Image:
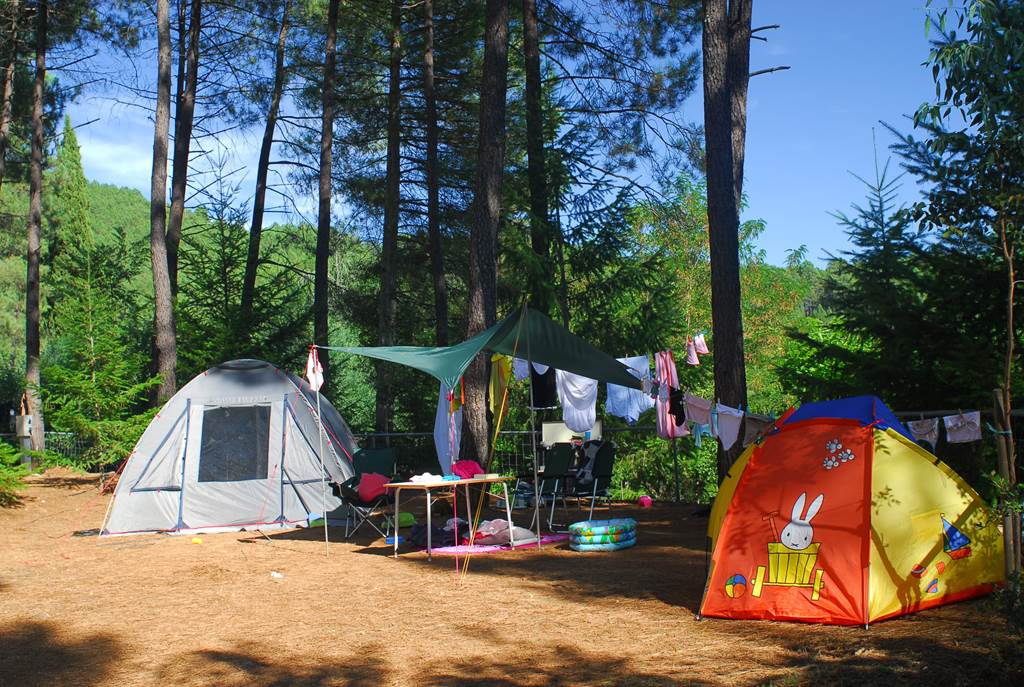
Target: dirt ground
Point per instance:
(79, 610)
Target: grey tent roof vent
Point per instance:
(243, 365)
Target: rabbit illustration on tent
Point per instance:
(792, 556)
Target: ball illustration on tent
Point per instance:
(736, 586)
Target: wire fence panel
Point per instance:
(644, 464)
(65, 444)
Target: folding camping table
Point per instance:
(428, 487)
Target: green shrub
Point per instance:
(11, 474)
(1009, 602)
(644, 465)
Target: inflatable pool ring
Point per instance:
(604, 538)
(613, 546)
(589, 528)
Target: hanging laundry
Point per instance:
(578, 396)
(677, 411)
(629, 403)
(698, 410)
(665, 375)
(691, 353)
(542, 385)
(700, 345)
(520, 369)
(963, 427)
(699, 431)
(501, 375)
(457, 398)
(729, 424)
(447, 430)
(677, 405)
(925, 430)
(541, 368)
(754, 426)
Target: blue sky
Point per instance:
(852, 64)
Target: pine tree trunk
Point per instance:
(540, 221)
(252, 260)
(321, 332)
(183, 117)
(723, 216)
(433, 181)
(738, 75)
(179, 81)
(35, 218)
(389, 241)
(165, 338)
(483, 237)
(7, 91)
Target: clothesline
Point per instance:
(912, 414)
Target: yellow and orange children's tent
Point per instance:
(838, 516)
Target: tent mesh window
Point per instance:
(235, 444)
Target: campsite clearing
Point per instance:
(152, 609)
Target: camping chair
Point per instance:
(557, 461)
(360, 512)
(601, 472)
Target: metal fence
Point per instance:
(666, 470)
(67, 445)
(513, 452)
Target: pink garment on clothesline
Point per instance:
(665, 374)
(691, 353)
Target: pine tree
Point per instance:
(67, 212)
(95, 375)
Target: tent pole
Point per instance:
(533, 440)
(323, 474)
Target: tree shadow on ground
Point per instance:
(961, 644)
(548, 666)
(13, 499)
(62, 481)
(668, 563)
(37, 653)
(246, 664)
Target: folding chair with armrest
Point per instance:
(601, 478)
(557, 461)
(367, 460)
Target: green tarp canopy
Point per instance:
(525, 334)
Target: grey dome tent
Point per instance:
(236, 447)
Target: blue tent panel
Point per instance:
(864, 409)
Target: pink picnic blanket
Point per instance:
(476, 550)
